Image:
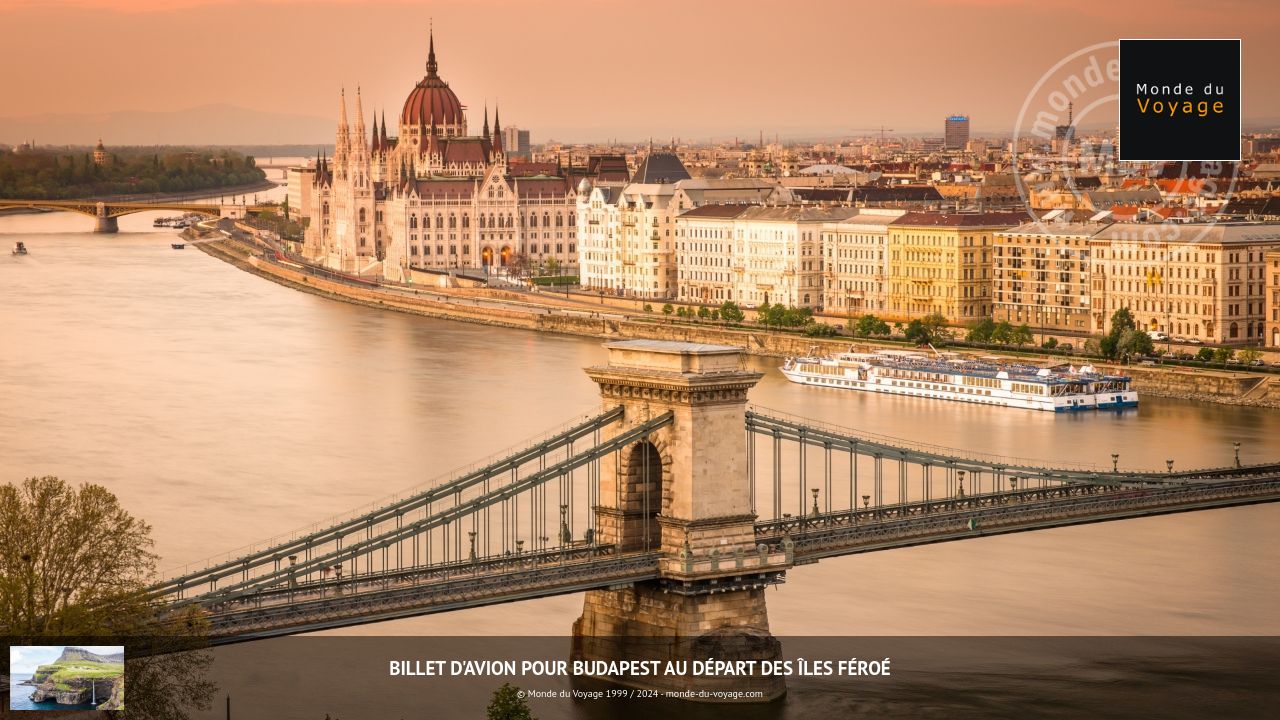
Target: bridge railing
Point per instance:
(286, 539)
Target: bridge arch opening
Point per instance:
(642, 495)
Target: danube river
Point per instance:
(224, 409)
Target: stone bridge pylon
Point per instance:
(684, 492)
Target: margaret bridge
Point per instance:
(106, 214)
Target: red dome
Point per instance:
(431, 100)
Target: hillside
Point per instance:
(79, 677)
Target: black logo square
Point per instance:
(1180, 100)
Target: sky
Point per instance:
(594, 69)
(25, 660)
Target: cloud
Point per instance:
(25, 660)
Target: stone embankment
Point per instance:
(1206, 385)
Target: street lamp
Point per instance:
(815, 499)
(1115, 462)
(1169, 464)
(1237, 447)
(960, 487)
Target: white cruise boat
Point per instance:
(983, 381)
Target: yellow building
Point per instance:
(942, 263)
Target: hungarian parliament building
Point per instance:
(433, 196)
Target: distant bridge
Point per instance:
(106, 213)
(673, 508)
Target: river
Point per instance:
(224, 409)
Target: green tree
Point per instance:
(817, 329)
(929, 330)
(1121, 322)
(1133, 342)
(730, 311)
(1002, 333)
(870, 325)
(1049, 343)
(71, 559)
(668, 309)
(1248, 356)
(982, 332)
(1205, 354)
(703, 313)
(648, 308)
(1222, 355)
(508, 703)
(1021, 335)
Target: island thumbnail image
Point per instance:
(57, 677)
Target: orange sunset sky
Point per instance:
(586, 70)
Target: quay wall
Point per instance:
(1236, 388)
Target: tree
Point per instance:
(704, 313)
(817, 329)
(929, 330)
(71, 559)
(508, 703)
(1002, 333)
(730, 311)
(1222, 355)
(1205, 355)
(1021, 335)
(982, 332)
(1121, 323)
(648, 308)
(553, 266)
(1134, 342)
(668, 309)
(869, 325)
(1249, 356)
(1049, 343)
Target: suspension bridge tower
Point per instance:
(684, 493)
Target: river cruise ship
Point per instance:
(986, 381)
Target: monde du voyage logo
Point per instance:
(1180, 100)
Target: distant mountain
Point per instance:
(204, 125)
(71, 654)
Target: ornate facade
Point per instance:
(433, 197)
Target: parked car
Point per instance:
(1258, 363)
(1195, 341)
(1157, 335)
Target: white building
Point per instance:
(856, 261)
(753, 254)
(627, 232)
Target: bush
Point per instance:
(1222, 355)
(869, 325)
(648, 307)
(817, 329)
(668, 309)
(704, 313)
(1205, 355)
(1050, 343)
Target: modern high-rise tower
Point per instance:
(956, 135)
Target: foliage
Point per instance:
(668, 309)
(508, 703)
(703, 313)
(982, 332)
(730, 311)
(1222, 355)
(648, 308)
(1205, 354)
(1134, 342)
(43, 175)
(817, 329)
(1049, 343)
(1248, 356)
(870, 325)
(1121, 323)
(929, 330)
(780, 315)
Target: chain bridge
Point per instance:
(673, 508)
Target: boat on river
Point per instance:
(19, 248)
(984, 381)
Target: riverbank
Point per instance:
(501, 309)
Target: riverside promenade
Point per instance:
(546, 311)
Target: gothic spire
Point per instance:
(431, 53)
(485, 134)
(497, 131)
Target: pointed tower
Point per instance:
(497, 132)
(342, 143)
(485, 132)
